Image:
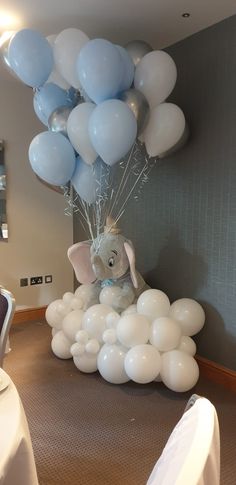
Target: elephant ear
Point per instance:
(79, 256)
(131, 257)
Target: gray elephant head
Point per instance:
(109, 256)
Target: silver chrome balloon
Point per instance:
(138, 49)
(57, 121)
(138, 104)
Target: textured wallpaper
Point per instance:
(184, 223)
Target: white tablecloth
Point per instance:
(17, 465)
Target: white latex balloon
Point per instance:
(63, 308)
(86, 363)
(67, 46)
(165, 128)
(72, 322)
(77, 129)
(87, 294)
(92, 347)
(94, 320)
(187, 345)
(54, 331)
(133, 329)
(109, 336)
(179, 371)
(109, 295)
(82, 337)
(189, 314)
(67, 297)
(53, 316)
(76, 303)
(153, 303)
(112, 319)
(55, 77)
(61, 345)
(131, 309)
(77, 349)
(155, 76)
(142, 363)
(165, 334)
(111, 363)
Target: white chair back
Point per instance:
(192, 453)
(7, 309)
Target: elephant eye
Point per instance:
(111, 261)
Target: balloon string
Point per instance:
(120, 213)
(122, 179)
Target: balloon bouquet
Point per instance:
(107, 122)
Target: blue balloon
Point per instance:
(84, 181)
(100, 69)
(91, 181)
(129, 67)
(50, 97)
(112, 130)
(31, 57)
(52, 157)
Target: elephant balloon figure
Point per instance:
(106, 261)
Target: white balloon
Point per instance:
(93, 346)
(53, 316)
(187, 345)
(153, 303)
(77, 129)
(179, 371)
(86, 363)
(131, 309)
(77, 349)
(54, 331)
(63, 308)
(76, 303)
(133, 329)
(165, 334)
(82, 337)
(67, 46)
(109, 336)
(155, 76)
(111, 363)
(165, 128)
(67, 297)
(189, 314)
(112, 319)
(61, 345)
(142, 363)
(94, 320)
(72, 322)
(88, 294)
(55, 77)
(109, 295)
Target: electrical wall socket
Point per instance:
(48, 278)
(24, 282)
(36, 280)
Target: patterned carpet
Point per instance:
(87, 431)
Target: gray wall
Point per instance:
(184, 223)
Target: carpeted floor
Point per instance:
(86, 431)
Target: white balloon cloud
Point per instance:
(146, 342)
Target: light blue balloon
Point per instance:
(50, 97)
(84, 181)
(52, 157)
(128, 64)
(91, 181)
(112, 130)
(31, 57)
(100, 69)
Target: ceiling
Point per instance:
(159, 22)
